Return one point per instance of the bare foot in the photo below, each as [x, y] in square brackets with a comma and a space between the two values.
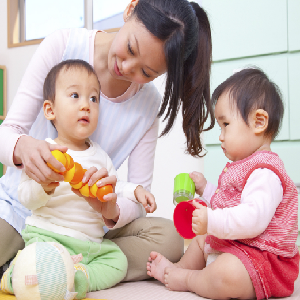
[156, 266]
[175, 280]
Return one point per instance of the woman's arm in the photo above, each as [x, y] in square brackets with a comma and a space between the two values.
[141, 159]
[260, 197]
[29, 98]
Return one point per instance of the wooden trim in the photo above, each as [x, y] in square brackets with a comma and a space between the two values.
[13, 26]
[32, 42]
[4, 93]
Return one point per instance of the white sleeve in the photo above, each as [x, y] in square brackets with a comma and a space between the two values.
[29, 98]
[31, 194]
[123, 188]
[209, 191]
[130, 209]
[260, 198]
[141, 159]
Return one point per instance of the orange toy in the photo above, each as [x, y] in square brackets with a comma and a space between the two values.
[74, 174]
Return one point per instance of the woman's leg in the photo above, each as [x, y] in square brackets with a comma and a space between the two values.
[11, 242]
[142, 236]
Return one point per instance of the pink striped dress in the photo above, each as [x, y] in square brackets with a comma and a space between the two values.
[271, 258]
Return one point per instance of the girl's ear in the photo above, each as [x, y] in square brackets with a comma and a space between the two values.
[129, 9]
[48, 110]
[260, 121]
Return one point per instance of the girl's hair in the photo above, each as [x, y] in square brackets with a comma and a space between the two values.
[251, 89]
[185, 29]
[50, 80]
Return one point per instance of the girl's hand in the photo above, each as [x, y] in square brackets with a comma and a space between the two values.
[145, 198]
[199, 219]
[109, 209]
[200, 182]
[34, 154]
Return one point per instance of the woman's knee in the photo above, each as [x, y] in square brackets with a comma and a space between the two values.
[169, 242]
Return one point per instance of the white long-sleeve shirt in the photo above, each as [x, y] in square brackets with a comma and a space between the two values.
[260, 197]
[64, 212]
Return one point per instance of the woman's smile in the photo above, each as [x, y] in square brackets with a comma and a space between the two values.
[117, 71]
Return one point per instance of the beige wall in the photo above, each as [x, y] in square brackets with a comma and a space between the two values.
[170, 158]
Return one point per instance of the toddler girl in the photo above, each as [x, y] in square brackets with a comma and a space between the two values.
[245, 244]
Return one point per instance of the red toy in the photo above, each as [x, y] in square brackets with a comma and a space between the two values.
[182, 216]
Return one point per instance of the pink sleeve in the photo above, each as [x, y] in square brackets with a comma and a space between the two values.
[29, 98]
[259, 200]
[141, 159]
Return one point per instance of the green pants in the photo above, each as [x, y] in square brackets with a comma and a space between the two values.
[105, 262]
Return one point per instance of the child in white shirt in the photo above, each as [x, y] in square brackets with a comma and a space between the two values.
[61, 214]
[246, 237]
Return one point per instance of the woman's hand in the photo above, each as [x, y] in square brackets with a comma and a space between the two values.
[109, 209]
[200, 182]
[199, 219]
[34, 154]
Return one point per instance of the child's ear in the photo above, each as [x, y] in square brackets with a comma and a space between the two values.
[260, 121]
[129, 9]
[48, 110]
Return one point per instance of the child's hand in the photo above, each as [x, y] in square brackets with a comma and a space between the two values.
[145, 198]
[199, 219]
[200, 182]
[49, 188]
[109, 209]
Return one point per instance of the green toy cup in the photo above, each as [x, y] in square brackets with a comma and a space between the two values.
[184, 188]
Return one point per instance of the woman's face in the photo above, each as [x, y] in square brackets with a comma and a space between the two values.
[135, 54]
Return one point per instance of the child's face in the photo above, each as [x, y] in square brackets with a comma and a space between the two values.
[76, 105]
[238, 139]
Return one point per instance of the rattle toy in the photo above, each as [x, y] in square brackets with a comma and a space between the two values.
[74, 174]
[184, 188]
[42, 271]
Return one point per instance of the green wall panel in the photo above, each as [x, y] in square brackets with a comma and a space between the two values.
[242, 28]
[293, 25]
[294, 94]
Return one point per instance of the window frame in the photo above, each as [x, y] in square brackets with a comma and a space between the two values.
[16, 22]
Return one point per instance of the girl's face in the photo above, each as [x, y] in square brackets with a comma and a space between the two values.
[239, 140]
[135, 54]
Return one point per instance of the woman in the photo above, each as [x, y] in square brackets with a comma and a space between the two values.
[159, 36]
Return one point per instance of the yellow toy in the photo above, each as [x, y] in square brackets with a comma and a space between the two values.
[74, 174]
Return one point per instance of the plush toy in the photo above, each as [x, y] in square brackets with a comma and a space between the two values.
[44, 271]
[74, 174]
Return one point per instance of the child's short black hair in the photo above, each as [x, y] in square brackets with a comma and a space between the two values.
[50, 80]
[251, 89]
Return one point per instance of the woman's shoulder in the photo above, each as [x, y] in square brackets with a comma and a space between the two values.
[149, 89]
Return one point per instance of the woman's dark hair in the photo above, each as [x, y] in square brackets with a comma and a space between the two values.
[251, 89]
[50, 80]
[185, 29]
